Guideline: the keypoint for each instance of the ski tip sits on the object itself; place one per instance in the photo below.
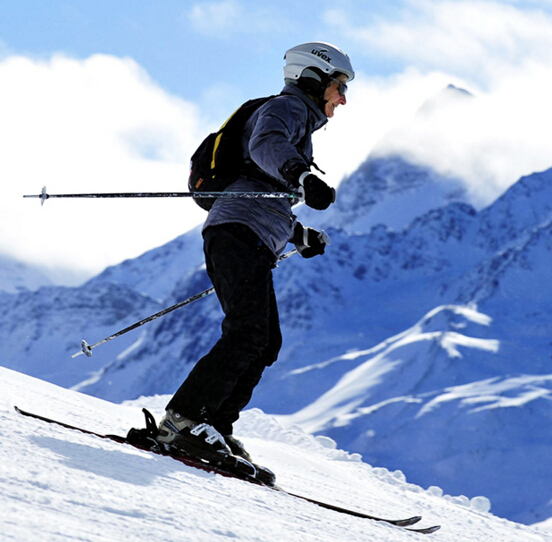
(426, 530)
(408, 521)
(20, 411)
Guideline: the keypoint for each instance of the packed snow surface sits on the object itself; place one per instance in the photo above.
(67, 485)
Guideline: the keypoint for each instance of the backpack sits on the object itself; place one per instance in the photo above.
(218, 161)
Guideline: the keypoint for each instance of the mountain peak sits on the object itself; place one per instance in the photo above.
(388, 190)
(448, 96)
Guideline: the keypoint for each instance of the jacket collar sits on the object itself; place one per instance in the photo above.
(317, 117)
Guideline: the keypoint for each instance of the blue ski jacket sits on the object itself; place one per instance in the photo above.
(277, 134)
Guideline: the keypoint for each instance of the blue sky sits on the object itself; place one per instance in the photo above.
(107, 95)
(177, 42)
(189, 48)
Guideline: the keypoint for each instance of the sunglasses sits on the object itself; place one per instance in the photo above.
(341, 86)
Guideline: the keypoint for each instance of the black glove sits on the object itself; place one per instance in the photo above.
(316, 192)
(309, 242)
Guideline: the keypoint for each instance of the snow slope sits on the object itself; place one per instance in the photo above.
(67, 485)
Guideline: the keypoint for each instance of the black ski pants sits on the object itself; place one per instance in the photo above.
(222, 382)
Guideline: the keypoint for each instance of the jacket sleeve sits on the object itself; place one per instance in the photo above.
(280, 129)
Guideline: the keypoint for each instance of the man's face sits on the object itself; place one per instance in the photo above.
(333, 97)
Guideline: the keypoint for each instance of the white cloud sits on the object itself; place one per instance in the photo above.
(375, 106)
(498, 51)
(475, 39)
(490, 141)
(234, 18)
(212, 18)
(94, 125)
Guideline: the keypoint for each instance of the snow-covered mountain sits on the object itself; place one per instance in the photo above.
(16, 276)
(395, 185)
(68, 485)
(421, 340)
(41, 330)
(157, 271)
(388, 190)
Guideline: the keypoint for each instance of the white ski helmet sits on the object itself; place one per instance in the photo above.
(316, 54)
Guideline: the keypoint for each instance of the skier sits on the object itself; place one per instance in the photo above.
(242, 241)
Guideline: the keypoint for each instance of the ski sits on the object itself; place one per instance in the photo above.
(397, 522)
(237, 470)
(234, 469)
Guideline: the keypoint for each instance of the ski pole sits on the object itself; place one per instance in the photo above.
(87, 348)
(43, 196)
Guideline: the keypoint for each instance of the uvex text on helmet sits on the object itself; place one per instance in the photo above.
(317, 54)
